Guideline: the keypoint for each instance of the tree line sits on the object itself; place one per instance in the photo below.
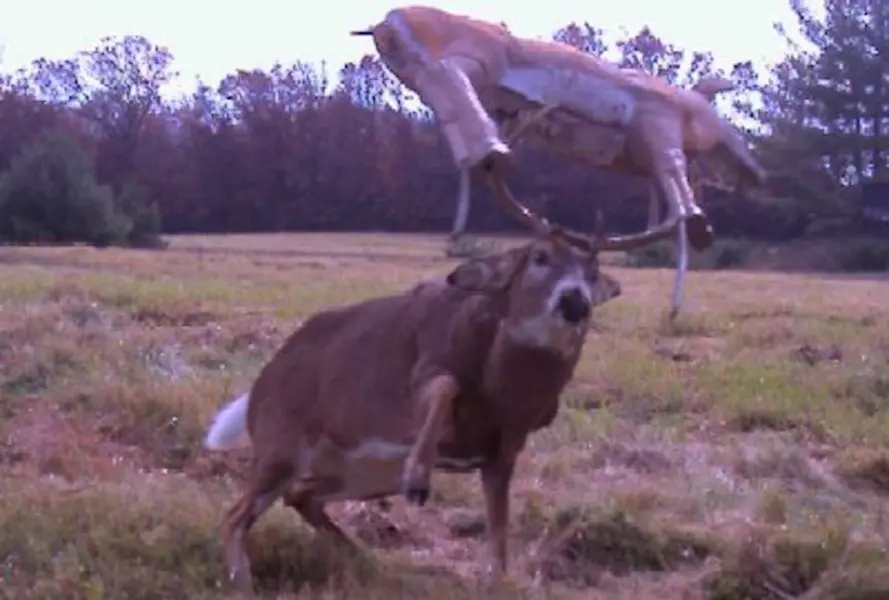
(91, 150)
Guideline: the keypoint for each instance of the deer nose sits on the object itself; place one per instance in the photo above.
(574, 305)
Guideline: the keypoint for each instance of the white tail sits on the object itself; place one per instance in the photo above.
(229, 426)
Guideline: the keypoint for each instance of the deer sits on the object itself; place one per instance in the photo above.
(363, 401)
(488, 88)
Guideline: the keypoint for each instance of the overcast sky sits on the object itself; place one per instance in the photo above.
(211, 39)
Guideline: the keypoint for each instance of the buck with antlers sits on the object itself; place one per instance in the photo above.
(364, 401)
(488, 88)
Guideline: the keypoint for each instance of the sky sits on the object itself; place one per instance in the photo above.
(212, 38)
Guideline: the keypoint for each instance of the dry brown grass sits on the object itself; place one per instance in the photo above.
(739, 453)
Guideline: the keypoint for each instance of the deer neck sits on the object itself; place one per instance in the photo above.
(524, 382)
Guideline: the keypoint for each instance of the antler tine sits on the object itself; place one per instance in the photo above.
(514, 207)
(601, 242)
(629, 242)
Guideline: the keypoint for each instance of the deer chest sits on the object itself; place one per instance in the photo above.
(476, 429)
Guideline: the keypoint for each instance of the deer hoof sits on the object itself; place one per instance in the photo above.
(497, 160)
(241, 580)
(699, 231)
(417, 495)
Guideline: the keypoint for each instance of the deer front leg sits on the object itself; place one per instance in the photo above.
(496, 479)
(654, 211)
(668, 176)
(445, 85)
(462, 214)
(436, 400)
(445, 80)
(462, 206)
(681, 269)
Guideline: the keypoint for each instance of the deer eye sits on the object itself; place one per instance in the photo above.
(540, 258)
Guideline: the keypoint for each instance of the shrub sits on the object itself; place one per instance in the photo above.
(50, 195)
(724, 254)
(864, 255)
(144, 218)
(657, 255)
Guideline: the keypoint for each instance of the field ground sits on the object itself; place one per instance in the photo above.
(739, 453)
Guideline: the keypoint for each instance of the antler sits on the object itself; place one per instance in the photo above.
(605, 243)
(537, 223)
(600, 242)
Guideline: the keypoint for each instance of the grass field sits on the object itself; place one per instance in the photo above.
(738, 453)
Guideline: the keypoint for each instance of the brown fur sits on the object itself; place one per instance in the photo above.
(468, 72)
(442, 359)
(685, 113)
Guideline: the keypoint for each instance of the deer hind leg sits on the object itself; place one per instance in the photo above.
(436, 400)
(700, 232)
(268, 483)
(305, 503)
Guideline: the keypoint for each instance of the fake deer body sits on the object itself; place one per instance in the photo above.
(364, 401)
(488, 88)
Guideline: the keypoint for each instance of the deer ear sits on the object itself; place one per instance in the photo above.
(486, 274)
(606, 288)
